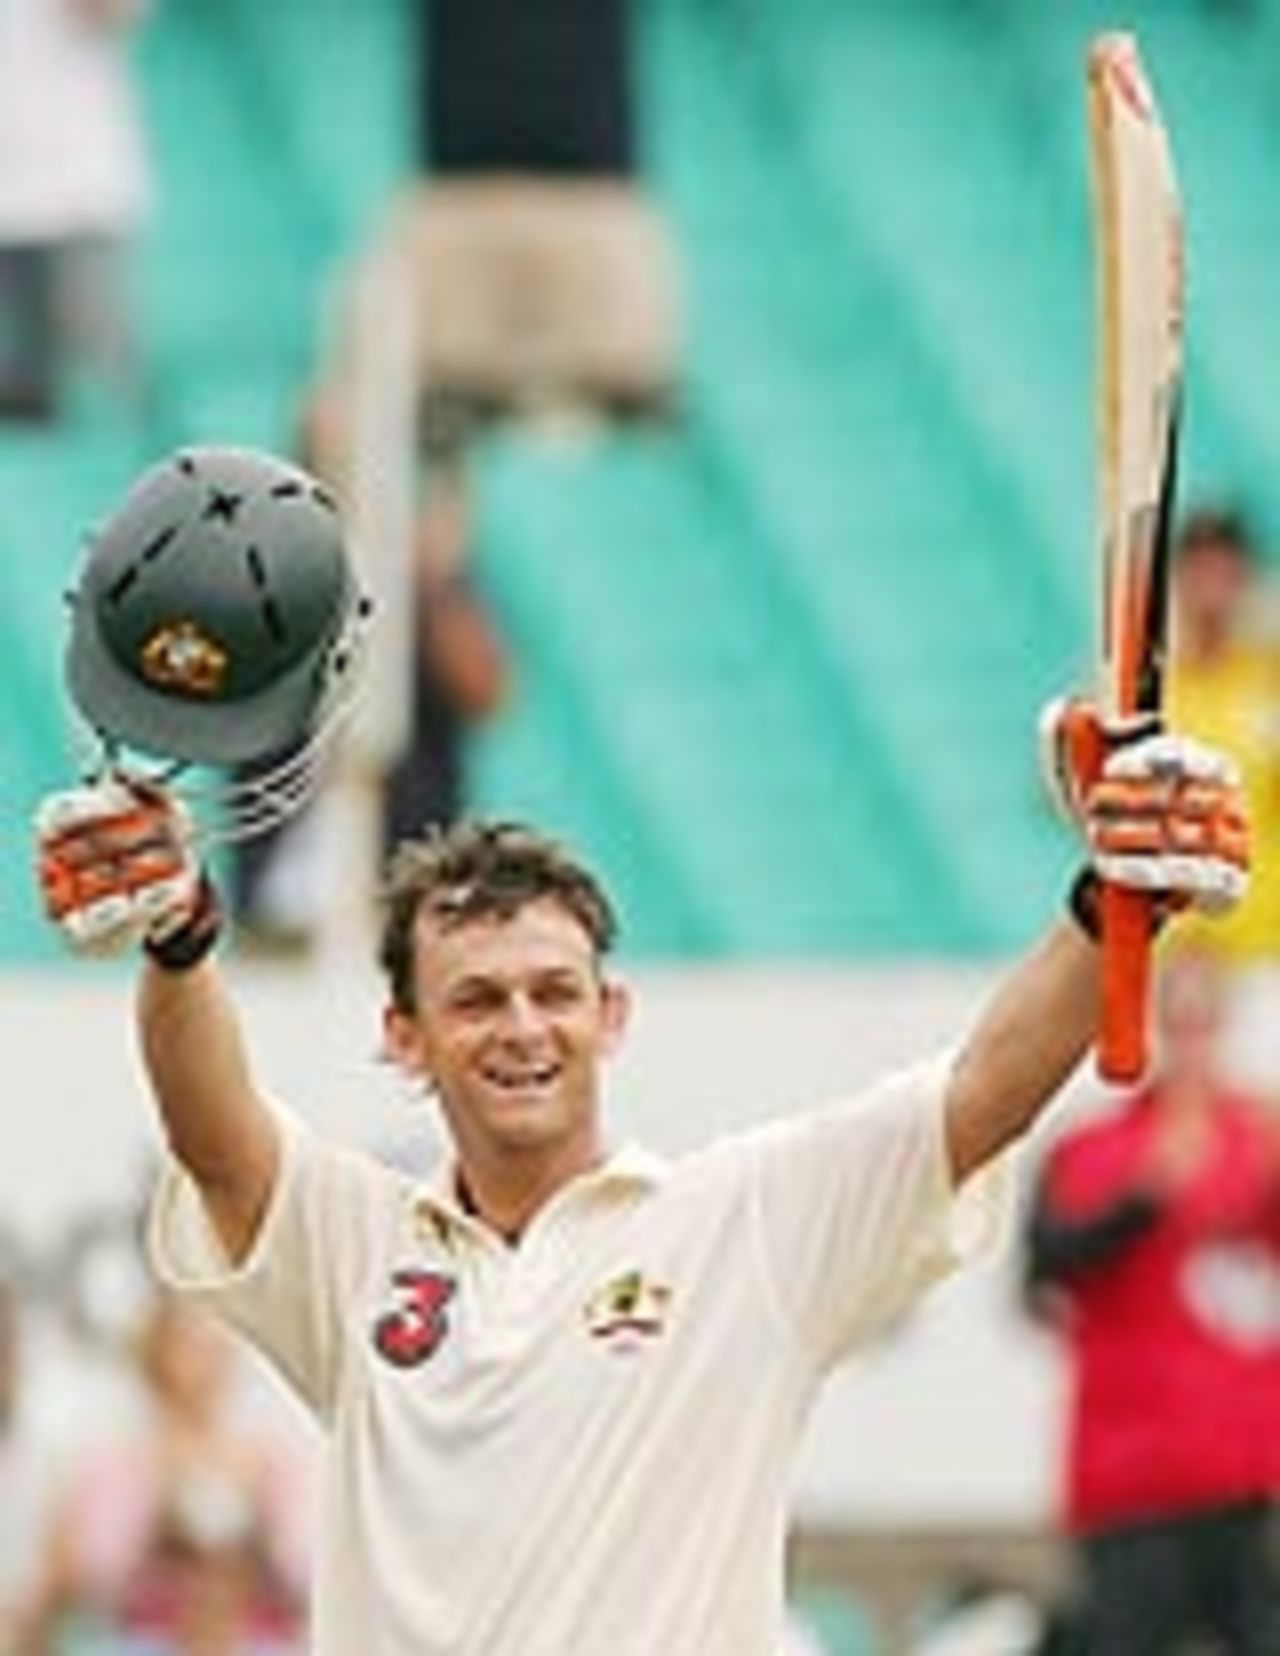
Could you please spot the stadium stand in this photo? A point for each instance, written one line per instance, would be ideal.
(779, 664)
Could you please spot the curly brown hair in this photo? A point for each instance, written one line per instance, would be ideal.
(481, 870)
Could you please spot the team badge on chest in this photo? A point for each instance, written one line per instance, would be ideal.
(628, 1312)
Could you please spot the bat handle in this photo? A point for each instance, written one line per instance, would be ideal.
(1126, 976)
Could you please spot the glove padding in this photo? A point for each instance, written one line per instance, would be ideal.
(116, 865)
(1163, 814)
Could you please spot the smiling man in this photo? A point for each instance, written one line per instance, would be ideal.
(564, 1381)
(500, 1006)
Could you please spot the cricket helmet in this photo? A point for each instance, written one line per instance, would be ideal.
(216, 617)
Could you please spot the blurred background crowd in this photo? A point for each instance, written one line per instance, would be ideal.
(709, 387)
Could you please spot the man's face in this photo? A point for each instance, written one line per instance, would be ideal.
(512, 1022)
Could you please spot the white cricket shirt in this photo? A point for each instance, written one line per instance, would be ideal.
(580, 1446)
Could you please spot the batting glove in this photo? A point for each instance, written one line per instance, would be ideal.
(117, 867)
(1162, 813)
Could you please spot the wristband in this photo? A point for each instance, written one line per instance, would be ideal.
(1084, 904)
(185, 947)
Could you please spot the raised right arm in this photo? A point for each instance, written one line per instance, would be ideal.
(214, 1117)
(118, 870)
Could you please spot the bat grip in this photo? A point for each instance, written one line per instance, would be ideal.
(1126, 918)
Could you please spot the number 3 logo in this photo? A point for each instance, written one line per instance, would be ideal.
(409, 1335)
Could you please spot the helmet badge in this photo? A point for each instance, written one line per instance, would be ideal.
(179, 656)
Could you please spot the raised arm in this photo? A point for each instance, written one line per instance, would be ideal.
(1164, 816)
(117, 871)
(213, 1116)
(1027, 1042)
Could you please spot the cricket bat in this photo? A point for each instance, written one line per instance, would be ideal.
(1138, 236)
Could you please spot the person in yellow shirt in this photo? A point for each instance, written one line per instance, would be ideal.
(1224, 688)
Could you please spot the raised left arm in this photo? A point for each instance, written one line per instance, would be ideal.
(1164, 816)
(1024, 1047)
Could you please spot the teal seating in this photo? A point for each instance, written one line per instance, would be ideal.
(778, 667)
(51, 492)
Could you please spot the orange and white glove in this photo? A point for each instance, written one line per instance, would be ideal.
(117, 866)
(1163, 814)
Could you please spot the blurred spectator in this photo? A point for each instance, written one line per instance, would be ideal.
(186, 1538)
(1152, 1246)
(526, 269)
(73, 190)
(540, 261)
(1224, 687)
(457, 677)
(459, 668)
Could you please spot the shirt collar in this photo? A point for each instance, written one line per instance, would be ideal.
(630, 1167)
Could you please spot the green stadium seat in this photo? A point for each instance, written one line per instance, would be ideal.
(777, 668)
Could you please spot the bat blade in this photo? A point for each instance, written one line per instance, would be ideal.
(1139, 249)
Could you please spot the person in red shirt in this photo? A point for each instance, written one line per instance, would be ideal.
(1152, 1246)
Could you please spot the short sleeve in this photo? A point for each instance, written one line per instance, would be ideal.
(327, 1213)
(857, 1212)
